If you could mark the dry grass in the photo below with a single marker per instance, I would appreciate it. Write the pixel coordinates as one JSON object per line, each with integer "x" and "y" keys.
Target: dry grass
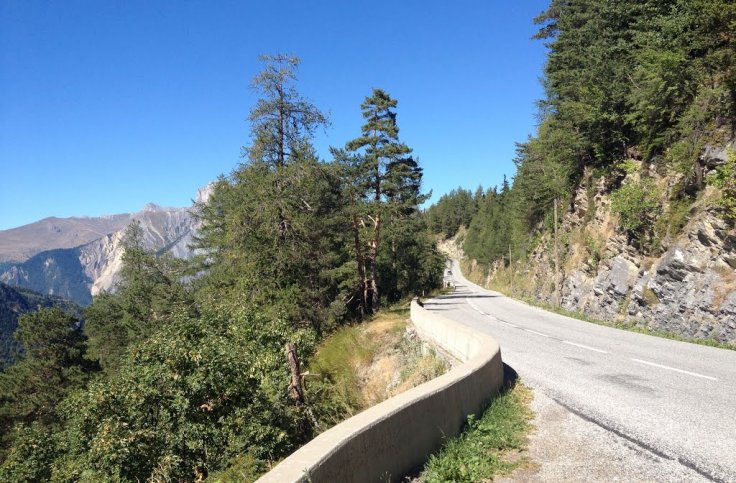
{"x": 725, "y": 287}
{"x": 361, "y": 365}
{"x": 649, "y": 295}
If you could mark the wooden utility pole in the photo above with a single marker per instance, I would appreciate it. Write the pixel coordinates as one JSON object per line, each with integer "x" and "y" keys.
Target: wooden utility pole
{"x": 557, "y": 263}
{"x": 512, "y": 271}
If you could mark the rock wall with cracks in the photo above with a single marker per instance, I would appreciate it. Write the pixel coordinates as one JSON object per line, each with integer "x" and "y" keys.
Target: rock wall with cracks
{"x": 688, "y": 287}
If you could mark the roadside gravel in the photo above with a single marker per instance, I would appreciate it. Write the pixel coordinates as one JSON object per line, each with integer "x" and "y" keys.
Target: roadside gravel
{"x": 566, "y": 447}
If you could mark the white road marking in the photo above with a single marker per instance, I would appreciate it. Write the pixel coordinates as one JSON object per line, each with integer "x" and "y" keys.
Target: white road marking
{"x": 475, "y": 307}
{"x": 584, "y": 347}
{"x": 535, "y": 332}
{"x": 674, "y": 369}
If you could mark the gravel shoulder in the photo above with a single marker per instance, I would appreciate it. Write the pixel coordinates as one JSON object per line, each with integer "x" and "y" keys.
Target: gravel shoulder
{"x": 566, "y": 447}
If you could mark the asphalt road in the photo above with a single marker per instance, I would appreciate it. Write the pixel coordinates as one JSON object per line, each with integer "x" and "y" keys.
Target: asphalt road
{"x": 674, "y": 401}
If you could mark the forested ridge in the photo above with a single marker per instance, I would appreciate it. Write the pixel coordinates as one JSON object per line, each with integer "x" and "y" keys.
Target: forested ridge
{"x": 636, "y": 92}
{"x": 186, "y": 372}
{"x": 16, "y": 301}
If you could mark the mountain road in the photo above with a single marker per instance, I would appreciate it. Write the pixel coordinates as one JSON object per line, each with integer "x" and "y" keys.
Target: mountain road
{"x": 675, "y": 402}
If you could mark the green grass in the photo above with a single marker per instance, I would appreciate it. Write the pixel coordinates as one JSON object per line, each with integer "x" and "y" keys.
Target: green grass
{"x": 489, "y": 446}
{"x": 337, "y": 385}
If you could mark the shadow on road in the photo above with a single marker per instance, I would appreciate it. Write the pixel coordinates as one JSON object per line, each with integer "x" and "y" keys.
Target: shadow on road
{"x": 510, "y": 377}
{"x": 457, "y": 295}
{"x": 442, "y": 303}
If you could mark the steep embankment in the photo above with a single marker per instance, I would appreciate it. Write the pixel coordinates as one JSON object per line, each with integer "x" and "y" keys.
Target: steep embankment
{"x": 678, "y": 276}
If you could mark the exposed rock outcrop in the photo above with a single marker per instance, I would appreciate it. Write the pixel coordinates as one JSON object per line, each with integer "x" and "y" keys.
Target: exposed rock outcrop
{"x": 688, "y": 289}
{"x": 82, "y": 271}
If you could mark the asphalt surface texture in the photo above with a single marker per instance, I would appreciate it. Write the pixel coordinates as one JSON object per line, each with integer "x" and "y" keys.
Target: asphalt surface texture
{"x": 669, "y": 406}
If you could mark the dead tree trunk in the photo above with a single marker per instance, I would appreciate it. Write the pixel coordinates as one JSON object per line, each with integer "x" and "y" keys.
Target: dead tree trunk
{"x": 295, "y": 386}
{"x": 360, "y": 259}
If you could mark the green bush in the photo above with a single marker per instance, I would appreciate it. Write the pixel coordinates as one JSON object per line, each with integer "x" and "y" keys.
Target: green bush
{"x": 725, "y": 179}
{"x": 636, "y": 203}
{"x": 671, "y": 221}
{"x": 186, "y": 401}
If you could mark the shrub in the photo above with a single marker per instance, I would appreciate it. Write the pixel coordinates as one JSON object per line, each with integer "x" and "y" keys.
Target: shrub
{"x": 636, "y": 203}
{"x": 725, "y": 179}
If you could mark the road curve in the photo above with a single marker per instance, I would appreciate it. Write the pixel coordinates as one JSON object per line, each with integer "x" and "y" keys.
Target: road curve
{"x": 674, "y": 400}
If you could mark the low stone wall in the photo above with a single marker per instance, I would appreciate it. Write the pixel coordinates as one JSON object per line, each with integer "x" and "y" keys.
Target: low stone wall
{"x": 387, "y": 441}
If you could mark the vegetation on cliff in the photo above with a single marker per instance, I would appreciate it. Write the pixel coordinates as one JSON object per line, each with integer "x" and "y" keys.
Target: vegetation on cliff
{"x": 637, "y": 121}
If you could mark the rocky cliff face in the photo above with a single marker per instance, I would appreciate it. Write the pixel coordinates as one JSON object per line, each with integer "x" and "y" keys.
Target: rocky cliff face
{"x": 688, "y": 287}
{"x": 165, "y": 230}
{"x": 680, "y": 278}
{"x": 79, "y": 272}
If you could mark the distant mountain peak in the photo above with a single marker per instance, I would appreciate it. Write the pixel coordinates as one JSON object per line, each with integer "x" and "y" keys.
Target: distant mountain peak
{"x": 203, "y": 194}
{"x": 151, "y": 207}
{"x": 81, "y": 256}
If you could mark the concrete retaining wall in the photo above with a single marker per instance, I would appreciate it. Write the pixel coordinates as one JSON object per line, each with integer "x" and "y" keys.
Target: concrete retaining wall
{"x": 396, "y": 436}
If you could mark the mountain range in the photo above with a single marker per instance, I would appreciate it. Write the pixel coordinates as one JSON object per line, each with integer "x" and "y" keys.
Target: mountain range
{"x": 77, "y": 258}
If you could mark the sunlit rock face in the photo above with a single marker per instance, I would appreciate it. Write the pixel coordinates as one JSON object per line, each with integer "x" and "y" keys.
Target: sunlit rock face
{"x": 38, "y": 256}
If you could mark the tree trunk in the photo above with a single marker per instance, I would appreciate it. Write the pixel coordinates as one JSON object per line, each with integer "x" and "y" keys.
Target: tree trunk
{"x": 295, "y": 386}
{"x": 360, "y": 259}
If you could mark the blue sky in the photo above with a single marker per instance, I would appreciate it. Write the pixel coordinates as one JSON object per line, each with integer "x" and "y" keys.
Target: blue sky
{"x": 105, "y": 106}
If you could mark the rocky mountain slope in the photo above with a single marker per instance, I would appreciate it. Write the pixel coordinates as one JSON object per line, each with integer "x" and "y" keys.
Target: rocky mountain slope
{"x": 680, "y": 280}
{"x": 689, "y": 289}
{"x": 21, "y": 243}
{"x": 84, "y": 270}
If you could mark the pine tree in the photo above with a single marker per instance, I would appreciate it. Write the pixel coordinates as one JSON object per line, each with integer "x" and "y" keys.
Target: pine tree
{"x": 380, "y": 169}
{"x": 282, "y": 121}
{"x": 274, "y": 228}
{"x": 53, "y": 364}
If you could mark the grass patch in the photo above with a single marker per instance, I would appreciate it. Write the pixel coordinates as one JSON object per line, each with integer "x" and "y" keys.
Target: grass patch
{"x": 363, "y": 364}
{"x": 649, "y": 295}
{"x": 242, "y": 468}
{"x": 489, "y": 446}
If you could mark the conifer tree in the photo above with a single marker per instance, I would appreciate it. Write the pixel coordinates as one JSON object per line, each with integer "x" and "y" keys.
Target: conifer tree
{"x": 53, "y": 364}
{"x": 148, "y": 290}
{"x": 381, "y": 170}
{"x": 273, "y": 229}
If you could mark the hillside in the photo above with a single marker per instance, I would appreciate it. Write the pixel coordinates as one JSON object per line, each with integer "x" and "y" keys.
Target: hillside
{"x": 21, "y": 243}
{"x": 623, "y": 204}
{"x": 14, "y": 302}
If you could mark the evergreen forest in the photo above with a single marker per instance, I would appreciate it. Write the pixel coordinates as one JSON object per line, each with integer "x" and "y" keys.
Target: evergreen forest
{"x": 635, "y": 91}
{"x": 183, "y": 373}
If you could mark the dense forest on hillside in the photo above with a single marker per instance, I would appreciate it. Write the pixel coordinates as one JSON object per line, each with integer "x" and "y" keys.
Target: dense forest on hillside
{"x": 16, "y": 301}
{"x": 186, "y": 370}
{"x": 634, "y": 89}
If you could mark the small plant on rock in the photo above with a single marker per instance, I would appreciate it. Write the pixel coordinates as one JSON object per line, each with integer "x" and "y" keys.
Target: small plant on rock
{"x": 725, "y": 179}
